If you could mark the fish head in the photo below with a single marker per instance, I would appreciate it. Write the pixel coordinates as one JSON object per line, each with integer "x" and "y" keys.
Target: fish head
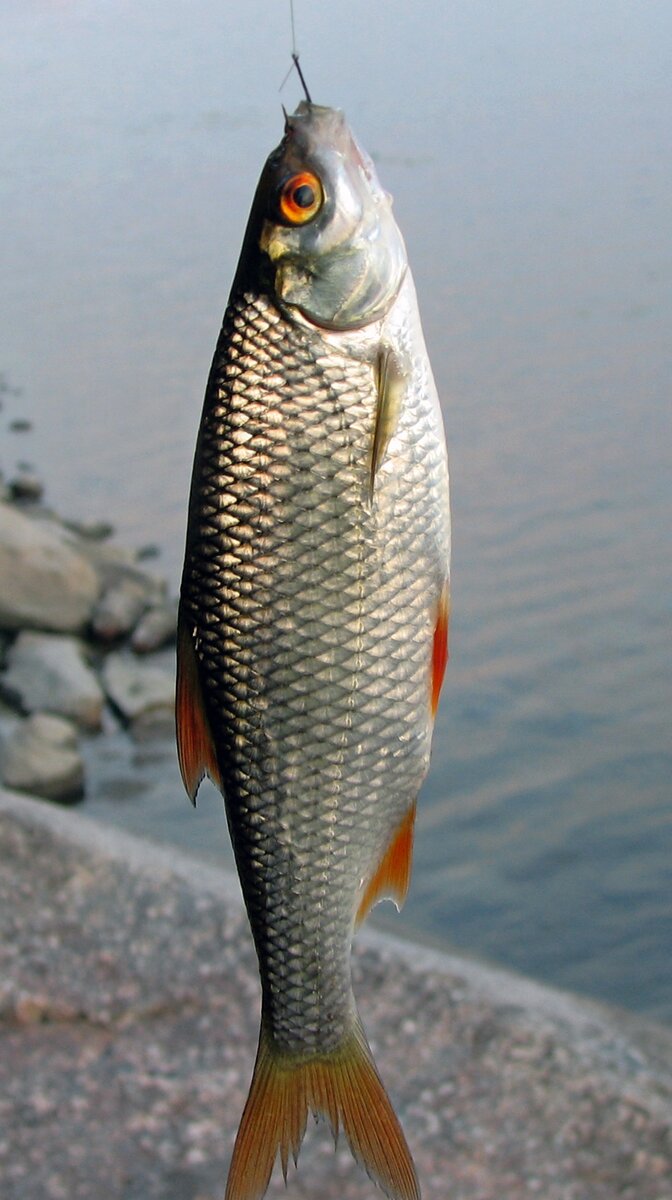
{"x": 336, "y": 253}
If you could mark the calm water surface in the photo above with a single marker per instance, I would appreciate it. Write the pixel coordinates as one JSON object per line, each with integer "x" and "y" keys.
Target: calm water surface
{"x": 528, "y": 149}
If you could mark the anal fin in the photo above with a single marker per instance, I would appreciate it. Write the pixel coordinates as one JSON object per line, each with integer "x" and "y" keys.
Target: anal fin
{"x": 392, "y": 877}
{"x": 195, "y": 745}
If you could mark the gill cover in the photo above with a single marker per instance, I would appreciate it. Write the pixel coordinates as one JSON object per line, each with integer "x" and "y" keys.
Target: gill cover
{"x": 327, "y": 227}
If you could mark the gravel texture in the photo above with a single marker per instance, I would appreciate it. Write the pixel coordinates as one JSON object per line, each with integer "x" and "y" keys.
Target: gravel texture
{"x": 128, "y": 1023}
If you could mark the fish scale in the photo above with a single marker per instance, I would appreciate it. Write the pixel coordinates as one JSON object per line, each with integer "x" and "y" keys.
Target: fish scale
{"x": 313, "y": 622}
{"x": 298, "y": 647}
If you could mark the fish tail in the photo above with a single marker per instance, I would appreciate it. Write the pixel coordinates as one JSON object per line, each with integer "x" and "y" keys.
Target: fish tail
{"x": 343, "y": 1086}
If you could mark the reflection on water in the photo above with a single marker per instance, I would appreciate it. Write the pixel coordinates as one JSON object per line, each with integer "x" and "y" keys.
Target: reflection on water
{"x": 528, "y": 150}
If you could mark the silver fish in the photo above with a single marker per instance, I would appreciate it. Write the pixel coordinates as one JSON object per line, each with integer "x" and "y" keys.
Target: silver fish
{"x": 314, "y": 620}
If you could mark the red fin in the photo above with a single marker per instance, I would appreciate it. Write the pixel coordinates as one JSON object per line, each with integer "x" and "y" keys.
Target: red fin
{"x": 440, "y": 648}
{"x": 393, "y": 875}
{"x": 343, "y": 1086}
{"x": 195, "y": 746}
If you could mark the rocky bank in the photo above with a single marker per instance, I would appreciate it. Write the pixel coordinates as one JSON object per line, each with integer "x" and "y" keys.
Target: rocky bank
{"x": 128, "y": 986}
{"x": 79, "y": 616}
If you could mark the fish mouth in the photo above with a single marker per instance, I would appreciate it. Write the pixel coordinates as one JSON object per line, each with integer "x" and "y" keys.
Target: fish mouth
{"x": 292, "y": 282}
{"x": 292, "y": 278}
{"x": 271, "y": 244}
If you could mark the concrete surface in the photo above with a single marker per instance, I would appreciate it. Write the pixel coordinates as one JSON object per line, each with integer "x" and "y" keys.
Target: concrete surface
{"x": 128, "y": 1024}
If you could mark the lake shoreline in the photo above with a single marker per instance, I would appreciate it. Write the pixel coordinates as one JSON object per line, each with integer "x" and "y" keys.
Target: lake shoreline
{"x": 101, "y": 721}
{"x": 532, "y": 180}
{"x": 129, "y": 1013}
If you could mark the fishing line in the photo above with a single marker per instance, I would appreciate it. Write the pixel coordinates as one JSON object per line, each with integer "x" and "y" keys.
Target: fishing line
{"x": 295, "y": 53}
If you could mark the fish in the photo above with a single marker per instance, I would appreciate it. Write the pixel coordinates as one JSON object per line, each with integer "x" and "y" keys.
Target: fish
{"x": 313, "y": 623}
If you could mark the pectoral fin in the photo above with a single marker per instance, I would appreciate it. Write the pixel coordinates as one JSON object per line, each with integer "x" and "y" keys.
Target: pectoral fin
{"x": 195, "y": 745}
{"x": 391, "y": 374}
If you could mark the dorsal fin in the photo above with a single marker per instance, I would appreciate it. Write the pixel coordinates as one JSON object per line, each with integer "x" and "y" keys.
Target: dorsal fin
{"x": 195, "y": 745}
{"x": 391, "y": 377}
{"x": 392, "y": 876}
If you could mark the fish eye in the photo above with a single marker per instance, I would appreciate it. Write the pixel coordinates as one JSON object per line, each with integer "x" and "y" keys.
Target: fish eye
{"x": 301, "y": 198}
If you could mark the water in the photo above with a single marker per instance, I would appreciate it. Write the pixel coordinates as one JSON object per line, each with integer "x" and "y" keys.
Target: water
{"x": 528, "y": 148}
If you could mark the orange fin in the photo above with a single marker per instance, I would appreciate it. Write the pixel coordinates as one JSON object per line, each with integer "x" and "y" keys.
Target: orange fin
{"x": 440, "y": 648}
{"x": 344, "y": 1086}
{"x": 195, "y": 746}
{"x": 393, "y": 874}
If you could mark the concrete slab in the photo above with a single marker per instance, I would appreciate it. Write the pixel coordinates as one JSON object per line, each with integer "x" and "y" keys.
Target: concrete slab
{"x": 128, "y": 1024}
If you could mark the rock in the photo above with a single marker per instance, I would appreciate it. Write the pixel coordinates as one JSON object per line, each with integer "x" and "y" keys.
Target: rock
{"x": 95, "y": 531}
{"x": 119, "y": 609}
{"x": 44, "y": 583}
{"x": 8, "y": 720}
{"x": 115, "y": 564}
{"x": 47, "y": 672}
{"x": 144, "y": 695}
{"x": 26, "y": 486}
{"x": 156, "y": 628}
{"x": 156, "y": 723}
{"x": 41, "y": 757}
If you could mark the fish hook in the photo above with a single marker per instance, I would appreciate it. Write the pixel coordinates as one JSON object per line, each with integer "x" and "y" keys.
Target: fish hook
{"x": 295, "y": 58}
{"x": 297, "y": 64}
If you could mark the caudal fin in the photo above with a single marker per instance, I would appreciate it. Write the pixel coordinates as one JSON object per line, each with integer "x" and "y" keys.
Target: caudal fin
{"x": 344, "y": 1086}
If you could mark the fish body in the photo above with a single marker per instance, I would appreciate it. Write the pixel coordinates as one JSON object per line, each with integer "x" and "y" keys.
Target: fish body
{"x": 313, "y": 621}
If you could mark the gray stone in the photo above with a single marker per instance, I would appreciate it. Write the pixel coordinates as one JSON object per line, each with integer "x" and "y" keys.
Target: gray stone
{"x": 156, "y": 628}
{"x": 119, "y": 609}
{"x": 47, "y": 672}
{"x": 40, "y": 756}
{"x": 143, "y": 694}
{"x": 114, "y": 564}
{"x": 26, "y": 486}
{"x": 95, "y": 531}
{"x": 44, "y": 583}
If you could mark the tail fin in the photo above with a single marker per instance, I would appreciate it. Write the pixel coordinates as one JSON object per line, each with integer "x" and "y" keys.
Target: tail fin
{"x": 343, "y": 1086}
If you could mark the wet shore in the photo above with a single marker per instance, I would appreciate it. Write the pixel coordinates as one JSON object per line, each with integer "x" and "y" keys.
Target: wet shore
{"x": 129, "y": 1011}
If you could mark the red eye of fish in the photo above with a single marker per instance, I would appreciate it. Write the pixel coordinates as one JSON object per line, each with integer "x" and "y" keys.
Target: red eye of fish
{"x": 301, "y": 198}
